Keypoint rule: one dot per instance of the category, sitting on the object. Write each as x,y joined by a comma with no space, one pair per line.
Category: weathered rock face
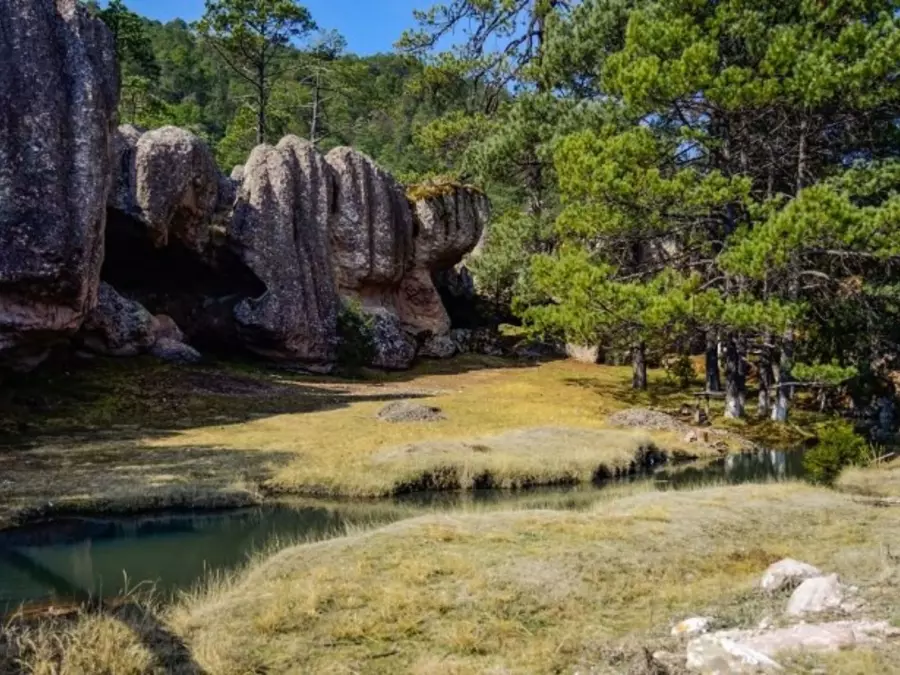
394,348
58,96
118,326
449,223
123,196
372,228
176,187
280,229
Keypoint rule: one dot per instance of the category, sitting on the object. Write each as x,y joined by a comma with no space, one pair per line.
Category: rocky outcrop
167,181
747,651
58,97
449,222
394,348
387,247
371,232
118,326
258,261
280,230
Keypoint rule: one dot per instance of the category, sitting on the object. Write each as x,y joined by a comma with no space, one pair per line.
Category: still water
84,557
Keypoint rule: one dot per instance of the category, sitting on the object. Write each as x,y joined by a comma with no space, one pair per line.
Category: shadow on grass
659,394
124,398
169,652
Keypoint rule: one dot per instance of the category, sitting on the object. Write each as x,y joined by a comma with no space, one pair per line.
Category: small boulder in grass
820,594
407,411
787,574
697,625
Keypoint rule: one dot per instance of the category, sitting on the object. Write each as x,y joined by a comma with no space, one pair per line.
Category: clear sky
369,26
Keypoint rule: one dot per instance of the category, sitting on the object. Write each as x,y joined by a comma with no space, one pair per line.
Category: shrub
839,447
356,337
681,370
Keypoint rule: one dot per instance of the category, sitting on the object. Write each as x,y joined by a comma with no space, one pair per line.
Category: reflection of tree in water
748,467
168,650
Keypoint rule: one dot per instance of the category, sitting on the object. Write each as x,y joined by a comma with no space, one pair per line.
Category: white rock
819,594
787,573
697,625
754,651
722,654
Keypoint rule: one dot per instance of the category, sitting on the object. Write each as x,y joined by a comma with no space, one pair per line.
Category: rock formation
58,96
259,261
450,221
372,229
118,326
280,229
167,181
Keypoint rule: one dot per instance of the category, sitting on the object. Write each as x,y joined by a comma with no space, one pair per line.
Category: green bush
681,370
356,339
839,447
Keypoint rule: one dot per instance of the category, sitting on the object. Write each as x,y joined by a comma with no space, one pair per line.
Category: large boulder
449,222
177,187
58,98
394,348
118,326
280,230
372,228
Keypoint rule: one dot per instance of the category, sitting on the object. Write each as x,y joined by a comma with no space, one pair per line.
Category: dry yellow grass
881,480
521,592
160,436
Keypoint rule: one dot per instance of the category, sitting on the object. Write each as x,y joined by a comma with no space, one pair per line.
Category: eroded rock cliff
58,96
258,261
280,230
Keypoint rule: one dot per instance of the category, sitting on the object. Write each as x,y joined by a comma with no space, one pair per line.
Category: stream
73,559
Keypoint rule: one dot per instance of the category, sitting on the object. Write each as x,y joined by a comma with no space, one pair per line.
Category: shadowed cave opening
197,289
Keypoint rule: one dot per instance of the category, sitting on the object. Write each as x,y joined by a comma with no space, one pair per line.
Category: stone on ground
439,347
787,574
407,411
753,651
819,594
395,349
643,418
696,625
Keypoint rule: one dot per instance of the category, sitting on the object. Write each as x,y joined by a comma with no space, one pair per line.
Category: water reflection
80,558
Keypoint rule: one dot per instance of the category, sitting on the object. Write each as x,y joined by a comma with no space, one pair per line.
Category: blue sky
369,26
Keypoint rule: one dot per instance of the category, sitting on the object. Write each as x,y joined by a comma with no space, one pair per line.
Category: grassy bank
879,481
134,434
520,592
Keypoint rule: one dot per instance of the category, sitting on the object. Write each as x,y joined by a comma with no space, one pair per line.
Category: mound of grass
880,480
523,592
116,432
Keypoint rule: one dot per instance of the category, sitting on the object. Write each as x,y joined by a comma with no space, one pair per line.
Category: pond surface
77,558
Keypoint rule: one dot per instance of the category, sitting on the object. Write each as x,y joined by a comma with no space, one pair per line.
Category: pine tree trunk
766,380
639,366
783,399
261,104
734,397
713,378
